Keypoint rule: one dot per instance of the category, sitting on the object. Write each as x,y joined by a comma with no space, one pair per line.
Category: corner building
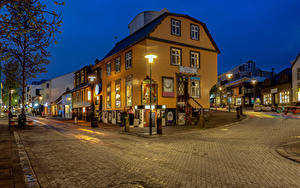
182,74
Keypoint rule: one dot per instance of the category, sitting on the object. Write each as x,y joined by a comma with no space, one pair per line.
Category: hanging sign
188,70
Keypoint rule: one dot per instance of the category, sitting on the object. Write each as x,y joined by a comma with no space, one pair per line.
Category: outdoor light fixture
92,77
40,97
69,98
147,107
229,75
36,104
150,58
83,109
135,107
152,107
16,100
253,81
164,106
220,88
46,104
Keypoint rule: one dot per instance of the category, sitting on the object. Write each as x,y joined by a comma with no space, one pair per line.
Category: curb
282,152
29,175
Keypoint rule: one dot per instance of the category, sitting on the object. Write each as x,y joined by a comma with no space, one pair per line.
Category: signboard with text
188,70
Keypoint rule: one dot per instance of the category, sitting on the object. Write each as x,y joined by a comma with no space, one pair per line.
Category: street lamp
254,82
229,77
150,58
92,78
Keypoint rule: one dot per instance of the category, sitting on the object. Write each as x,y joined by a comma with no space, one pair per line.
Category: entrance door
182,98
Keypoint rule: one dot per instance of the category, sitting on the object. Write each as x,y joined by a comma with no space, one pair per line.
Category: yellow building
182,74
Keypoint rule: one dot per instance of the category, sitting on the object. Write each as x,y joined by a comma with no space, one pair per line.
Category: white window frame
108,69
175,27
128,60
118,64
195,57
174,52
118,101
108,95
195,90
194,32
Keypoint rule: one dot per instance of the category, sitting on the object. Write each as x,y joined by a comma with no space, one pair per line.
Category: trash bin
126,127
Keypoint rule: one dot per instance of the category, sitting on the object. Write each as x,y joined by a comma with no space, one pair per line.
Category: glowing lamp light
92,78
229,75
83,109
164,106
152,107
135,107
254,81
147,107
69,98
46,104
36,104
220,88
150,58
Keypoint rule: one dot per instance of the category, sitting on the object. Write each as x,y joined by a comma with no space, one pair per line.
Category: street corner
290,150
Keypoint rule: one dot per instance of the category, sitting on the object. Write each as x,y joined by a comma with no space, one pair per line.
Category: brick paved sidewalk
290,150
11,174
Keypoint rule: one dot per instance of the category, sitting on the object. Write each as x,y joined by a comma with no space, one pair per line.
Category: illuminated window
128,60
118,64
89,95
82,77
194,32
284,97
108,96
195,59
118,94
108,68
175,27
128,92
175,56
267,99
195,87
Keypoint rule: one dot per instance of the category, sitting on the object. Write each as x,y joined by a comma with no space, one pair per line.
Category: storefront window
195,87
118,93
128,92
146,92
298,94
267,99
108,96
284,97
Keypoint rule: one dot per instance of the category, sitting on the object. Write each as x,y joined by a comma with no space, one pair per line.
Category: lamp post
254,82
229,77
150,61
92,78
220,92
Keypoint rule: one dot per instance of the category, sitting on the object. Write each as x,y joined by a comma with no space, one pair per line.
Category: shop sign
188,70
275,90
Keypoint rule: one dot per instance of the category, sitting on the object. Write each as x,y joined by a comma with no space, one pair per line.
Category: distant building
296,79
243,86
81,94
277,91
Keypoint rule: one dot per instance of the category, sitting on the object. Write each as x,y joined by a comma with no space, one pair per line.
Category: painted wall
295,83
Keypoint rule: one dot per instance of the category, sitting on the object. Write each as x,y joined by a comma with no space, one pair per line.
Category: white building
296,79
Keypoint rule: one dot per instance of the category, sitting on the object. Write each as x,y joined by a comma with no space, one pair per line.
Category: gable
163,31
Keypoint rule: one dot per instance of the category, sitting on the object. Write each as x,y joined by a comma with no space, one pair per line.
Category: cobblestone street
240,155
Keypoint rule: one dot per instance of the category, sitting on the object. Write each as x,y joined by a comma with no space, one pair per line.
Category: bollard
238,113
201,122
241,110
126,127
159,125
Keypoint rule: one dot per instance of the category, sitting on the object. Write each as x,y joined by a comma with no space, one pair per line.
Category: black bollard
238,113
159,125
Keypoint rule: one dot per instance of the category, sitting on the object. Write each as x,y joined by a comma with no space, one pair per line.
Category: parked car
257,107
266,108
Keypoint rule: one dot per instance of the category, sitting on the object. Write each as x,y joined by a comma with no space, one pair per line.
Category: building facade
81,94
243,86
182,74
277,91
296,80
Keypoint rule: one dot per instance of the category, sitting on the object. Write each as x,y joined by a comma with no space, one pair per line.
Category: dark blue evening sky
266,31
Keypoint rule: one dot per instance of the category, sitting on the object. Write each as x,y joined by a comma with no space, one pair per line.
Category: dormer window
108,69
175,27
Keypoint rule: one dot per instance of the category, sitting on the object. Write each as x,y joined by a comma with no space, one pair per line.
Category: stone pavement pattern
11,174
242,155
